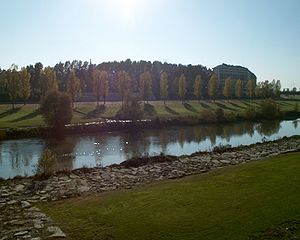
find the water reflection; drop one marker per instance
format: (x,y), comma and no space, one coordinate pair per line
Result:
(17,157)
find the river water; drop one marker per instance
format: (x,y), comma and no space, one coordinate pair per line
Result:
(21,157)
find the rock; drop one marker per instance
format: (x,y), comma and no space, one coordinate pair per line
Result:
(20,233)
(83,189)
(11,202)
(19,188)
(56,232)
(25,204)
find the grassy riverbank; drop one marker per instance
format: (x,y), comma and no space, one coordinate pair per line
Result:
(257,199)
(29,116)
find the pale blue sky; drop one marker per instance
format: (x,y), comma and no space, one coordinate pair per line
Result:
(263,35)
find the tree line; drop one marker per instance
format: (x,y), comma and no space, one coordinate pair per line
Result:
(148,80)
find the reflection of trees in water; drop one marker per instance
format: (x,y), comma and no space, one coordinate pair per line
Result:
(135,144)
(163,139)
(17,155)
(268,128)
(181,137)
(64,151)
(295,123)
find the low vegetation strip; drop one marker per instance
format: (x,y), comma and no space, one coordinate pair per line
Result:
(232,203)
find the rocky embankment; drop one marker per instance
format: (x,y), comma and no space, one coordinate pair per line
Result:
(20,219)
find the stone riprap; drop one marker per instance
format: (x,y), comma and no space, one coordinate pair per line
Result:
(20,219)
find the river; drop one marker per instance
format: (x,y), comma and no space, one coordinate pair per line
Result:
(21,157)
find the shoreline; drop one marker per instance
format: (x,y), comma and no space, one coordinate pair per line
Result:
(20,217)
(110,125)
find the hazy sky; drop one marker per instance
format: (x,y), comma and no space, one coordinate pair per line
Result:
(263,35)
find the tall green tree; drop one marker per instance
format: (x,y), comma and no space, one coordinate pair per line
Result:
(213,86)
(145,86)
(25,87)
(164,86)
(104,86)
(239,89)
(277,88)
(73,86)
(13,84)
(198,87)
(124,85)
(100,85)
(48,80)
(227,90)
(182,87)
(96,84)
(250,88)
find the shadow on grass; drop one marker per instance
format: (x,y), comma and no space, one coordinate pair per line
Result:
(96,112)
(247,103)
(80,112)
(28,116)
(189,107)
(171,111)
(149,110)
(237,106)
(223,106)
(10,112)
(204,105)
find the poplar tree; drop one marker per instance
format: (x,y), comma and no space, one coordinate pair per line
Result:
(227,88)
(124,84)
(145,86)
(48,80)
(239,89)
(250,88)
(164,86)
(73,86)
(198,87)
(25,88)
(12,84)
(212,86)
(182,87)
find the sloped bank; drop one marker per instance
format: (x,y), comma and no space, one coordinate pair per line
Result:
(19,219)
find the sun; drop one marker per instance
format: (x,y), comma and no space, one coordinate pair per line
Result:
(126,10)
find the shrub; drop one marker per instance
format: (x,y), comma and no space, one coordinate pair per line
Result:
(250,113)
(46,164)
(269,109)
(220,115)
(56,109)
(131,109)
(208,116)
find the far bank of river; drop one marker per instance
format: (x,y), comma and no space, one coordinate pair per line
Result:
(20,157)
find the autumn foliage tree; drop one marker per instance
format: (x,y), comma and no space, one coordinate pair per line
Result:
(73,86)
(182,87)
(250,86)
(124,84)
(213,86)
(48,80)
(12,84)
(198,87)
(239,89)
(164,86)
(227,90)
(25,88)
(145,86)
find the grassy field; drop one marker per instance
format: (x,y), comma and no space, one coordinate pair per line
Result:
(259,200)
(26,116)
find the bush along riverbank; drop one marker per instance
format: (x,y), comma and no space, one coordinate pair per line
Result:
(20,218)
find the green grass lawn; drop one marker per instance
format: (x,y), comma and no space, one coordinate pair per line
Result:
(28,115)
(254,199)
